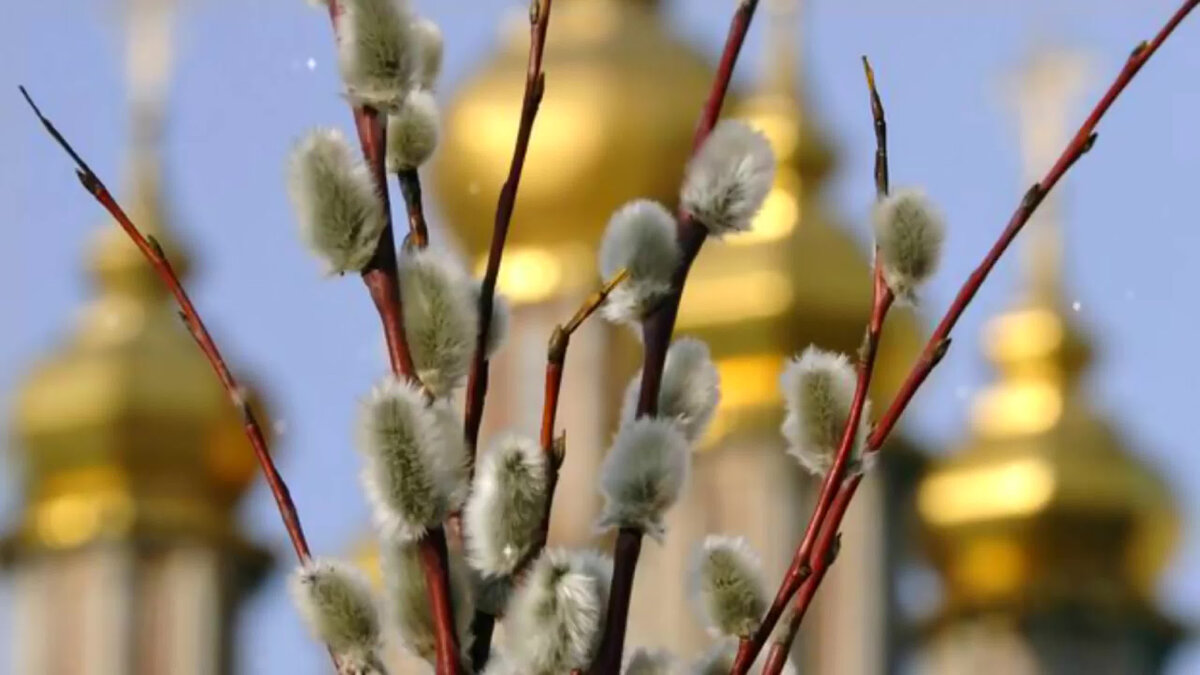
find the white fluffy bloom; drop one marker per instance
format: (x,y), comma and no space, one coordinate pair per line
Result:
(340,214)
(336,602)
(728,586)
(412,475)
(818,390)
(651,662)
(440,317)
(909,232)
(407,597)
(429,51)
(641,239)
(504,513)
(377,51)
(413,132)
(728,179)
(643,475)
(689,392)
(555,618)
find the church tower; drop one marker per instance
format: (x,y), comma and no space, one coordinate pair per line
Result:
(1048,533)
(125,557)
(622,99)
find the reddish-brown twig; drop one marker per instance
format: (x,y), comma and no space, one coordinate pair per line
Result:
(554,448)
(535,87)
(939,342)
(153,253)
(410,187)
(800,572)
(656,338)
(382,280)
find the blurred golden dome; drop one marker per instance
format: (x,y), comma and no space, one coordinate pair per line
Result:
(125,431)
(622,97)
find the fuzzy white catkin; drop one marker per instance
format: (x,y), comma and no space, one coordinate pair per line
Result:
(650,662)
(728,179)
(554,621)
(377,51)
(504,512)
(335,600)
(413,132)
(640,238)
(818,391)
(429,52)
(689,392)
(411,475)
(440,317)
(728,586)
(339,212)
(501,316)
(909,232)
(643,475)
(407,598)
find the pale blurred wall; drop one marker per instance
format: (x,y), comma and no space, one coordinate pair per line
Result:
(245,90)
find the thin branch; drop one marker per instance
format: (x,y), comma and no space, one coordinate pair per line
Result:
(410,186)
(554,448)
(656,336)
(153,252)
(879,121)
(382,280)
(535,88)
(799,573)
(1082,142)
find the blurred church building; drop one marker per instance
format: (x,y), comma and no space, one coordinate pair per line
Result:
(1032,549)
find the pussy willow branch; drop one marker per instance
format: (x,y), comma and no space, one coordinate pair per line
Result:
(800,572)
(535,88)
(153,252)
(1079,145)
(656,336)
(939,342)
(554,448)
(382,280)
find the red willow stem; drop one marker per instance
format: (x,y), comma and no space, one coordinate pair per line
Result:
(382,280)
(535,88)
(554,449)
(410,186)
(153,253)
(799,574)
(939,342)
(825,555)
(656,336)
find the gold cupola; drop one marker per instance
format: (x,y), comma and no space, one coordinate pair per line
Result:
(1044,509)
(123,433)
(622,95)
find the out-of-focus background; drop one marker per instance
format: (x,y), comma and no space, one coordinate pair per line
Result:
(1037,513)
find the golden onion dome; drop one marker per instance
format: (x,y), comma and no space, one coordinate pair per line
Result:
(124,431)
(622,97)
(1044,504)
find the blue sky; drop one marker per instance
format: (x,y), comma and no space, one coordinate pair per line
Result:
(243,92)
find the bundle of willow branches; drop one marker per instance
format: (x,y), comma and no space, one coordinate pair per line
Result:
(564,611)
